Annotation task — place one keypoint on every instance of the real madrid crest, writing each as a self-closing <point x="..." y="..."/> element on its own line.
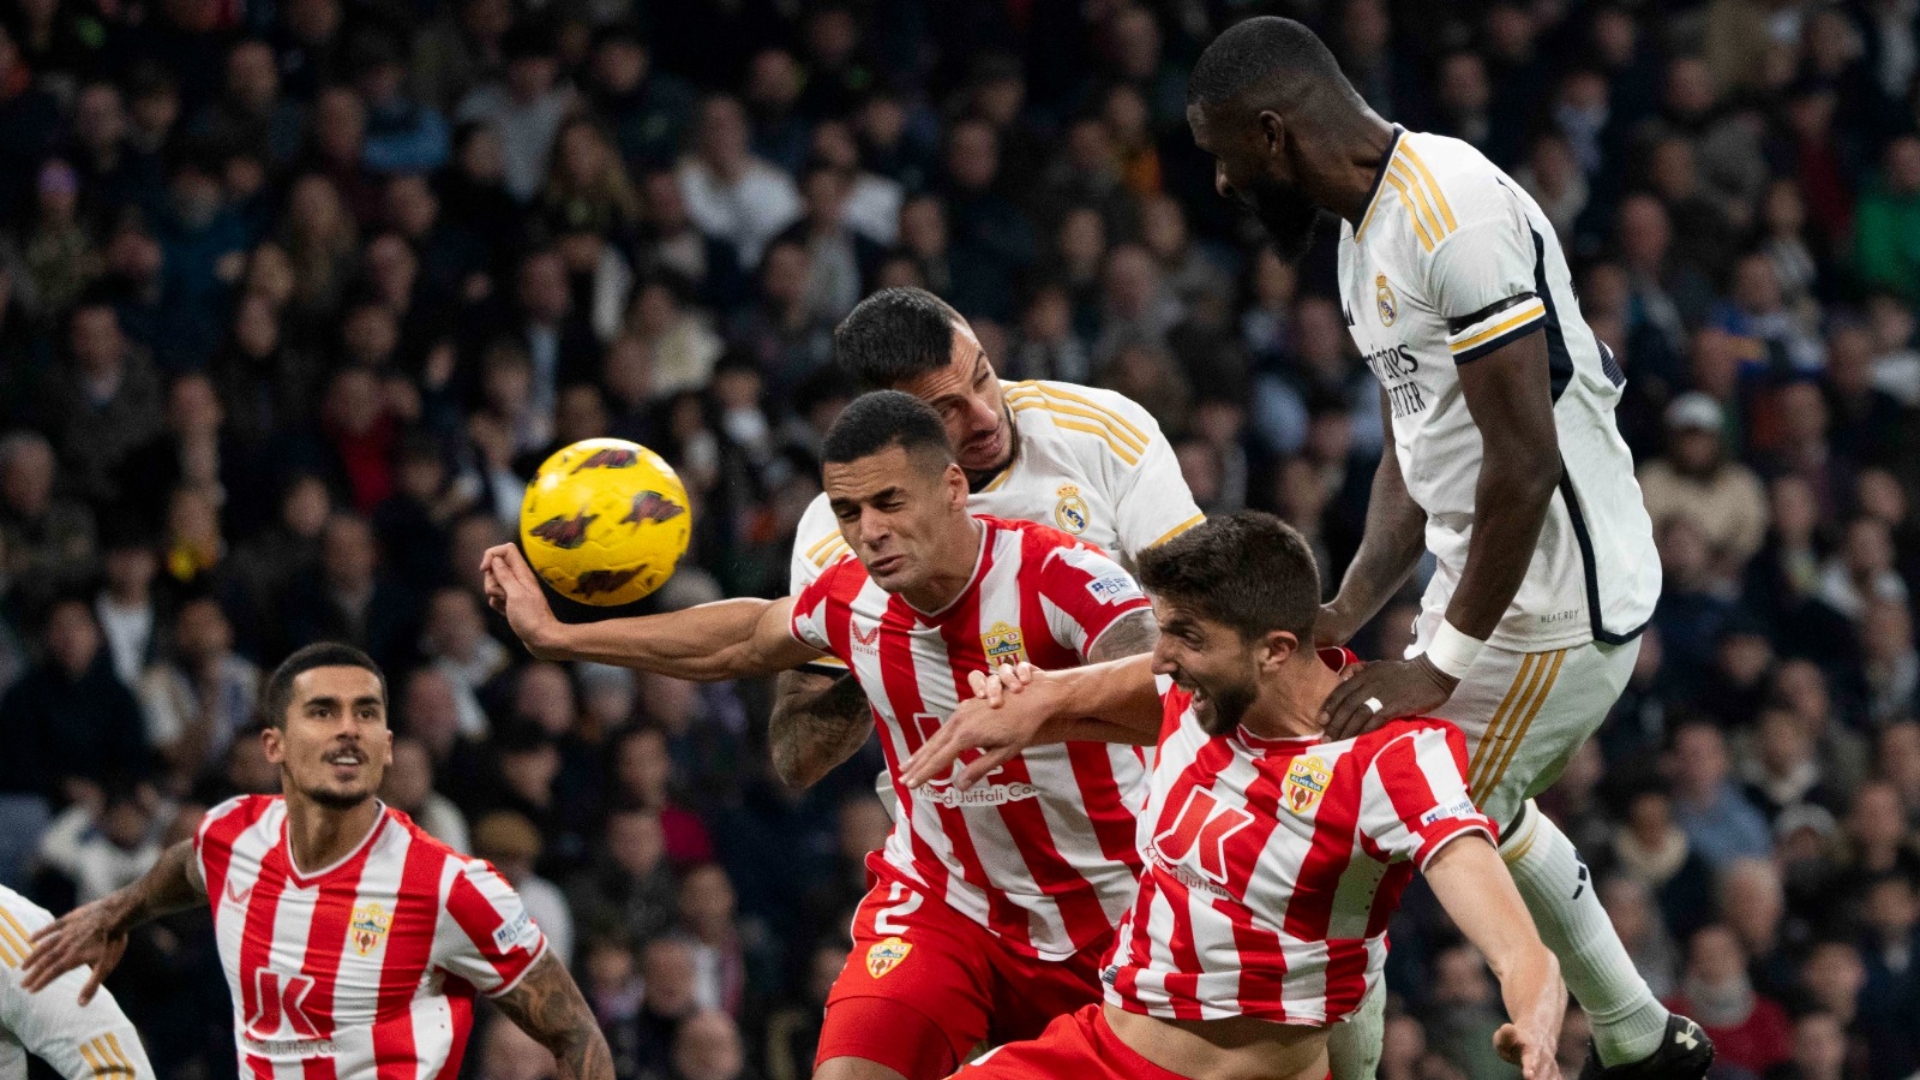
<point x="1383" y="296"/>
<point x="1070" y="513"/>
<point x="367" y="926"/>
<point x="884" y="956"/>
<point x="1307" y="779"/>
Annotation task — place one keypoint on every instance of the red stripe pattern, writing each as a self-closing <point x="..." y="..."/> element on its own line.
<point x="364" y="970"/>
<point x="1042" y="853"/>
<point x="1274" y="865"/>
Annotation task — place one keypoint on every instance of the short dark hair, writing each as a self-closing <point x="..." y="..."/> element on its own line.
<point x="1249" y="55"/>
<point x="893" y="335"/>
<point x="875" y="421"/>
<point x="279" y="695"/>
<point x="1250" y="571"/>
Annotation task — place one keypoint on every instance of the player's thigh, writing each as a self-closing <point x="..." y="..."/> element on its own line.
<point x="1028" y="993"/>
<point x="915" y="995"/>
<point x="1524" y="715"/>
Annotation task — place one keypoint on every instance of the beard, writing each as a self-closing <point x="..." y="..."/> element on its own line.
<point x="339" y="800"/>
<point x="1225" y="707"/>
<point x="1288" y="216"/>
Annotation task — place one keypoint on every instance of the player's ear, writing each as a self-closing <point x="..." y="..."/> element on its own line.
<point x="1278" y="648"/>
<point x="956" y="480"/>
<point x="273" y="742"/>
<point x="1273" y="135"/>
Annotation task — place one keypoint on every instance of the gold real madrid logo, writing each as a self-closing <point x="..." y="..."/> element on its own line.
<point x="1070" y="513"/>
<point x="368" y="925"/>
<point x="886" y="955"/>
<point x="1306" y="781"/>
<point x="1003" y="645"/>
<point x="1384" y="295"/>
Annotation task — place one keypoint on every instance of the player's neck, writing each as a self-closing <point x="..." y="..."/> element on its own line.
<point x="1369" y="143"/>
<point x="319" y="836"/>
<point x="1289" y="703"/>
<point x="945" y="585"/>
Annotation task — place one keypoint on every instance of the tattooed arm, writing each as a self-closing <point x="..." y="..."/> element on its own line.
<point x="818" y="722"/>
<point x="548" y="1006"/>
<point x="1130" y="635"/>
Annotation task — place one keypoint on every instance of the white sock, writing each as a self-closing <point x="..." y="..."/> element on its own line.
<point x="1628" y="1021"/>
<point x="1354" y="1047"/>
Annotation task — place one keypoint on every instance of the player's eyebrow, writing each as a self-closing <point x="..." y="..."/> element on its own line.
<point x="370" y="699"/>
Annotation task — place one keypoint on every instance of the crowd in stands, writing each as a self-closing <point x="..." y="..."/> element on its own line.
<point x="295" y="294"/>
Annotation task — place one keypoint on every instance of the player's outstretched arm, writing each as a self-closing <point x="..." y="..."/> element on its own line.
<point x="1391" y="544"/>
<point x="96" y="934"/>
<point x="727" y="639"/>
<point x="1472" y="884"/>
<point x="1022" y="706"/>
<point x="547" y="1004"/>
<point x="818" y="722"/>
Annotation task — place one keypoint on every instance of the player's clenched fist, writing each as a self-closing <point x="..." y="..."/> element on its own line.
<point x="514" y="591"/>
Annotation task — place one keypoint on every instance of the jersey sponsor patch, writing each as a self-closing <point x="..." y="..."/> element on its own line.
<point x="1071" y="513"/>
<point x="1458" y="809"/>
<point x="884" y="956"/>
<point x="1307" y="780"/>
<point x="367" y="927"/>
<point x="1113" y="588"/>
<point x="516" y="932"/>
<point x="1004" y="644"/>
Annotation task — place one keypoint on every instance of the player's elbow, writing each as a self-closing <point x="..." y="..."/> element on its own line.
<point x="1522" y="475"/>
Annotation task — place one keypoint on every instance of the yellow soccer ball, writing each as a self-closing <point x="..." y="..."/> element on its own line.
<point x="605" y="521"/>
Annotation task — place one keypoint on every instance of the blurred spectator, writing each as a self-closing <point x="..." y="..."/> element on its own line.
<point x="1629" y="904"/>
<point x="1887" y="222"/>
<point x="1658" y="854"/>
<point x="1719" y="822"/>
<point x="669" y="969"/>
<point x="457" y="645"/>
<point x="409" y="787"/>
<point x="105" y="841"/>
<point x="71" y="723"/>
<point x="1464" y="1013"/>
<point x="731" y="194"/>
<point x="124" y="607"/>
<point x="632" y="887"/>
<point x="1695" y="480"/>
<point x="202" y="696"/>
<point x="708" y="1047"/>
<point x="1747" y="1029"/>
<point x="511" y="843"/>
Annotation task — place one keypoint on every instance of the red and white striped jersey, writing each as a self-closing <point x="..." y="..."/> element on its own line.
<point x="366" y="969"/>
<point x="1274" y="865"/>
<point x="1041" y="853"/>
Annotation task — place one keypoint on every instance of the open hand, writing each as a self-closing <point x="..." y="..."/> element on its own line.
<point x="1002" y="719"/>
<point x="89" y="934"/>
<point x="514" y="591"/>
<point x="1381" y="691"/>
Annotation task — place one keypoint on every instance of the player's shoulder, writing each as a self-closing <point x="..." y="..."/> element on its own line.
<point x="1439" y="187"/>
<point x="1407" y="731"/>
<point x="234" y="816"/>
<point x="17" y="913"/>
<point x="1089" y="421"/>
<point x="1041" y="544"/>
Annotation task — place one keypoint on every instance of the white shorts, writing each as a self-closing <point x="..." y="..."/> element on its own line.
<point x="1524" y="715"/>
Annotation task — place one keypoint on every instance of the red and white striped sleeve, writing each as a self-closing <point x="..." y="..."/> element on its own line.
<point x="1413" y="800"/>
<point x="1083" y="593"/>
<point x="495" y="941"/>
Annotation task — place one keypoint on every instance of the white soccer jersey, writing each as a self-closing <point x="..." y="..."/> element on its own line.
<point x="366" y="969"/>
<point x="1089" y="462"/>
<point x="1451" y="261"/>
<point x="82" y="1042"/>
<point x="1274" y="865"/>
<point x="1040" y="853"/>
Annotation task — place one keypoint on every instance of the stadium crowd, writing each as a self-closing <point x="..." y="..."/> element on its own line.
<point x="295" y="294"/>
